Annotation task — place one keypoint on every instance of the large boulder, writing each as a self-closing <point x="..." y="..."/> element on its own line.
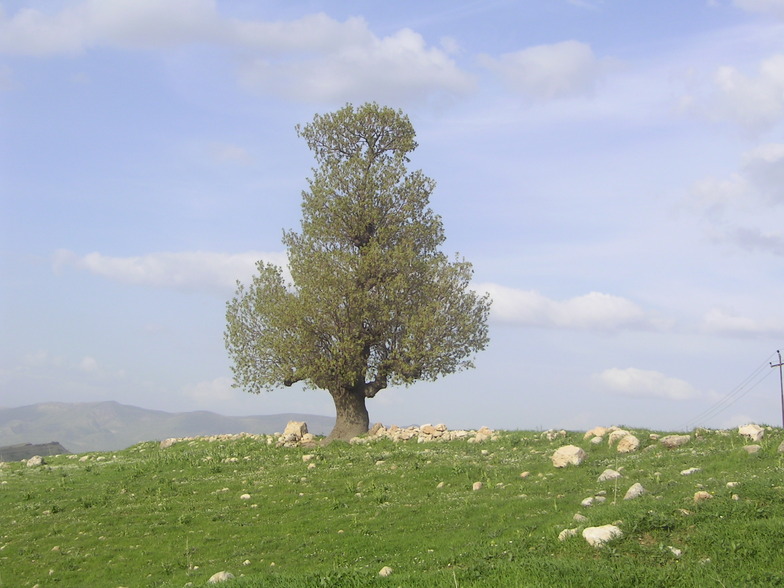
<point x="568" y="455"/>
<point x="628" y="444"/>
<point x="599" y="536"/>
<point x="672" y="441"/>
<point x="753" y="432"/>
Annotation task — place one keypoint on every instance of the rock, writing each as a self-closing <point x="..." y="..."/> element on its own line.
<point x="753" y="432"/>
<point x="781" y="447"/>
<point x="477" y="486"/>
<point x="690" y="471"/>
<point x="591" y="500"/>
<point x="752" y="449"/>
<point x="35" y="461"/>
<point x="579" y="518"/>
<point x="296" y="429"/>
<point x="552" y="434"/>
<point x="245" y="497"/>
<point x="566" y="534"/>
<point x="307" y="457"/>
<point x="166" y="443"/>
<point x="635" y="491"/>
<point x="609" y="474"/>
<point x="702" y="496"/>
<point x="568" y="455"/>
<point x="385" y="572"/>
<point x="672" y="441"/>
<point x="220" y="577"/>
<point x="595" y="432"/>
<point x="675" y="551"/>
<point x="628" y="444"/>
<point x="616" y="436"/>
<point x="597" y="440"/>
<point x="599" y="536"/>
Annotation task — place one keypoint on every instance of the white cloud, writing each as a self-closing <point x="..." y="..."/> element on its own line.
<point x="591" y="311"/>
<point x="772" y="7"/>
<point x="313" y="58"/>
<point x="560" y="70"/>
<point x="88" y="364"/>
<point x="755" y="102"/>
<point x="645" y="384"/>
<point x="209" y="392"/>
<point x="187" y="270"/>
<point x="397" y="68"/>
<point x="726" y="323"/>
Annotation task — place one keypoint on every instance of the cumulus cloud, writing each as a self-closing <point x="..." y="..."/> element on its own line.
<point x="560" y="70"/>
<point x="591" y="311"/>
<point x="754" y="101"/>
<point x="313" y="58"/>
<point x="743" y="207"/>
<point x="199" y="270"/>
<point x="645" y="384"/>
<point x="726" y="323"/>
<point x="208" y="392"/>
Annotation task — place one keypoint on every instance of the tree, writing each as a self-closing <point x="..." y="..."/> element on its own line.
<point x="373" y="302"/>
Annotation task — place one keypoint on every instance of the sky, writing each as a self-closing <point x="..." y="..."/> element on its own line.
<point x="613" y="169"/>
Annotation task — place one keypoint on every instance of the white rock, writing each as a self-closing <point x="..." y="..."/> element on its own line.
<point x="245" y="497"/>
<point x="628" y="444"/>
<point x="635" y="491"/>
<point x="477" y="486"/>
<point x="591" y="500"/>
<point x="753" y="432"/>
<point x="595" y="432"/>
<point x="671" y="441"/>
<point x="568" y="455"/>
<point x="609" y="474"/>
<point x="296" y="429"/>
<point x="34" y="461"/>
<point x="579" y="518"/>
<point x="781" y="447"/>
<point x="220" y="577"/>
<point x="675" y="551"/>
<point x="702" y="496"/>
<point x="690" y="471"/>
<point x="752" y="449"/>
<point x="599" y="536"/>
<point x="617" y="435"/>
<point x="385" y="571"/>
<point x="597" y="440"/>
<point x="566" y="534"/>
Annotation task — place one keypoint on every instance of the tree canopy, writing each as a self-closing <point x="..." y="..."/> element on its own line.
<point x="373" y="301"/>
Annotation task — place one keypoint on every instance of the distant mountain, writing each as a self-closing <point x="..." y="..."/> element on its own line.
<point x="107" y="426"/>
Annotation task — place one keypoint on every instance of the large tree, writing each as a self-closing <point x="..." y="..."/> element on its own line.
<point x="374" y="302"/>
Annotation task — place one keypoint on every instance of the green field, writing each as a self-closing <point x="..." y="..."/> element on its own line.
<point x="173" y="517"/>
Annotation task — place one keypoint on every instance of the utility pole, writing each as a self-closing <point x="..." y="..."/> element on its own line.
<point x="781" y="383"/>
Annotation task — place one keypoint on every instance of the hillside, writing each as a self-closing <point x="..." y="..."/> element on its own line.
<point x="108" y="426"/>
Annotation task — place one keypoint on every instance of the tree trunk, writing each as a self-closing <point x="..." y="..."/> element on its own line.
<point x="351" y="414"/>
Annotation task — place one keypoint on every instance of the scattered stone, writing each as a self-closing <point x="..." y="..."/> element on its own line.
<point x="568" y="455"/>
<point x="732" y="484"/>
<point x="307" y="457"/>
<point x="599" y="536"/>
<point x="609" y="474"/>
<point x="675" y="551"/>
<point x="35" y="461"/>
<point x="753" y="432"/>
<point x="385" y="572"/>
<point x="616" y="436"/>
<point x="220" y="577"/>
<point x="672" y="441"/>
<point x="245" y="497"/>
<point x="166" y="443"/>
<point x="591" y="500"/>
<point x="781" y="447"/>
<point x="690" y="471"/>
<point x="525" y="474"/>
<point x="477" y="486"/>
<point x="702" y="496"/>
<point x="597" y="440"/>
<point x="752" y="449"/>
<point x="566" y="534"/>
<point x="595" y="432"/>
<point x="579" y="518"/>
<point x="552" y="434"/>
<point x="628" y="444"/>
<point x="635" y="491"/>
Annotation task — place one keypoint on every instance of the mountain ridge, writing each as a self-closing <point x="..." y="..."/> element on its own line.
<point x="110" y="425"/>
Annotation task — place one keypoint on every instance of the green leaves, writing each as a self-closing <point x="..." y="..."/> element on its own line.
<point x="374" y="302"/>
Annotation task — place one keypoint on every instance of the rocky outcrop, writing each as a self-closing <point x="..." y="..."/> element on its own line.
<point x="753" y="432"/>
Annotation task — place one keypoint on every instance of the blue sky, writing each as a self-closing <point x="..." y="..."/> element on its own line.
<point x="613" y="169"/>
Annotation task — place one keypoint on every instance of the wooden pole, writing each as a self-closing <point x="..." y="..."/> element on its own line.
<point x="781" y="383"/>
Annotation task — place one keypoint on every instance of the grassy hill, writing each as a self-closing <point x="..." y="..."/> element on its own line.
<point x="334" y="516"/>
<point x="107" y="426"/>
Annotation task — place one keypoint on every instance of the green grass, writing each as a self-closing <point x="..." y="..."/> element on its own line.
<point x="169" y="517"/>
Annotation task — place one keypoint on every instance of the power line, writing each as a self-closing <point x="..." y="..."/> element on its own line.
<point x="754" y="379"/>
